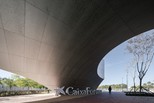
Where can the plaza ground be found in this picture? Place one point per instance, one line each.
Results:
(26, 98)
(115, 97)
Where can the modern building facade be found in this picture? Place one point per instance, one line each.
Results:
(61, 42)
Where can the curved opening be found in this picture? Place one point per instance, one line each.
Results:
(100, 70)
(14, 84)
(119, 67)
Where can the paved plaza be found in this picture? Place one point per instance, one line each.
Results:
(115, 97)
(26, 98)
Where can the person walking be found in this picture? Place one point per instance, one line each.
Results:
(110, 88)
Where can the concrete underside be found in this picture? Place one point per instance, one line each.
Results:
(61, 42)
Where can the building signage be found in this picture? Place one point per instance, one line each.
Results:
(72, 91)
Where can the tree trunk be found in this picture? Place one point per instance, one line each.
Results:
(140, 85)
(134, 85)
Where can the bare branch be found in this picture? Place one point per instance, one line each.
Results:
(142, 48)
(138, 68)
(150, 61)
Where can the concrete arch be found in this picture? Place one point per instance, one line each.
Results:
(60, 43)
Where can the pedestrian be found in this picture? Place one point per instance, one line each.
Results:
(110, 88)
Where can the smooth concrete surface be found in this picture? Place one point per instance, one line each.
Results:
(61, 42)
(36, 98)
(114, 97)
(26, 98)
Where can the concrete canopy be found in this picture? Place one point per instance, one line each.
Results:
(61, 42)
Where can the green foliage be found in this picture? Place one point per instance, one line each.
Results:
(0, 80)
(8, 82)
(15, 77)
(146, 85)
(18, 81)
(114, 86)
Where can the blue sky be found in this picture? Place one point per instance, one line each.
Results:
(4, 73)
(116, 64)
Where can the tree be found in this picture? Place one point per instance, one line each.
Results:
(1, 81)
(15, 77)
(25, 82)
(142, 49)
(9, 82)
(114, 86)
(132, 71)
(20, 82)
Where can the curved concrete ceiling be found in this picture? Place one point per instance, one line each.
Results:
(61, 42)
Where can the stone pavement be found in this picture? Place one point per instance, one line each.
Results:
(115, 97)
(35, 98)
(26, 98)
